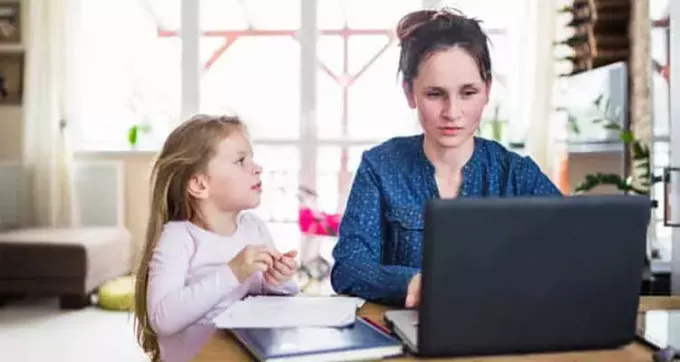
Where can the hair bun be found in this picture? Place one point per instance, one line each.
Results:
(412, 21)
(415, 19)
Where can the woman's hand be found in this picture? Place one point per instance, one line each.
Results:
(413, 292)
(283, 269)
(253, 258)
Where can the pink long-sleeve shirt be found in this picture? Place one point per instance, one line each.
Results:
(190, 282)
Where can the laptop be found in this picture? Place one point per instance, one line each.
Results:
(527, 274)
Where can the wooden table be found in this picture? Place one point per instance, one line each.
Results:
(223, 347)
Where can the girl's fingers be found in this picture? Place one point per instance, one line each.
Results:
(277, 275)
(275, 254)
(265, 257)
(261, 266)
(289, 262)
(291, 254)
(283, 268)
(270, 279)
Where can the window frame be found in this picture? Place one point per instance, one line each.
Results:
(309, 141)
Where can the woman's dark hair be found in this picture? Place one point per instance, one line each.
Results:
(423, 32)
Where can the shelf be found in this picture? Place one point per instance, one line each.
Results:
(581, 147)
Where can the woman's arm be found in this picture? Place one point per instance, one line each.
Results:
(532, 181)
(358, 270)
(172, 303)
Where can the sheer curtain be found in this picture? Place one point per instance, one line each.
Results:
(49, 74)
(531, 75)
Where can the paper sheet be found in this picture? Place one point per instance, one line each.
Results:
(283, 311)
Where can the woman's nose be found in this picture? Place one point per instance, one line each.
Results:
(257, 169)
(452, 108)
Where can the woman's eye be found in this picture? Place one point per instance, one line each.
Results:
(241, 161)
(434, 94)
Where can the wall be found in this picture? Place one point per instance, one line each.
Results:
(11, 116)
(11, 134)
(137, 166)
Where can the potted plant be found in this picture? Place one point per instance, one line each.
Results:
(640, 157)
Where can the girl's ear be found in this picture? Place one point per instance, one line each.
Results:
(198, 186)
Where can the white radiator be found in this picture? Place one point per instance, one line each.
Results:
(13, 177)
(99, 190)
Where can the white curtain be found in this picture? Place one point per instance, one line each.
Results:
(49, 74)
(531, 75)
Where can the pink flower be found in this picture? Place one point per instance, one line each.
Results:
(318, 223)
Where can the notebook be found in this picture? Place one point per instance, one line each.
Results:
(360, 341)
(289, 311)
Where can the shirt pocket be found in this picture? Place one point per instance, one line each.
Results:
(406, 236)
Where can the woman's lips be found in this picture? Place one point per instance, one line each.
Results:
(450, 131)
(257, 186)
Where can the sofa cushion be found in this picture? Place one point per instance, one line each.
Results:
(93, 254)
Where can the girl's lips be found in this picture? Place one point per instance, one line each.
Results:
(257, 186)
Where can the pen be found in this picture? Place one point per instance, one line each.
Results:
(377, 325)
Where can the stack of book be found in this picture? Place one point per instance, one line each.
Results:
(597, 33)
(307, 328)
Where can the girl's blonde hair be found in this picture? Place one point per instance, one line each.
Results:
(186, 152)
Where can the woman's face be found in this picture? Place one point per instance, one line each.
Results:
(449, 95)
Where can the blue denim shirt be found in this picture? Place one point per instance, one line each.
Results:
(381, 232)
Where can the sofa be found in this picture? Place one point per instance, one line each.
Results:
(70, 263)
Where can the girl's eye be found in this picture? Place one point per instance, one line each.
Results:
(241, 161)
(434, 94)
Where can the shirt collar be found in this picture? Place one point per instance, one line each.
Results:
(473, 164)
(471, 170)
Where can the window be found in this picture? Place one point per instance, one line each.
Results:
(250, 59)
(253, 63)
(129, 75)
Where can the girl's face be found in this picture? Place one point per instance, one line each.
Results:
(449, 95)
(232, 181)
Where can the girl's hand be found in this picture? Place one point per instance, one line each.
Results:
(253, 258)
(283, 270)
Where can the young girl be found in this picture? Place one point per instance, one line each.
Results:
(202, 252)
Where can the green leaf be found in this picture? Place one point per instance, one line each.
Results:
(133, 135)
(640, 151)
(642, 165)
(598, 100)
(626, 136)
(606, 105)
(572, 124)
(145, 128)
(613, 126)
(594, 180)
(601, 179)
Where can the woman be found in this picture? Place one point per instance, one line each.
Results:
(446, 72)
